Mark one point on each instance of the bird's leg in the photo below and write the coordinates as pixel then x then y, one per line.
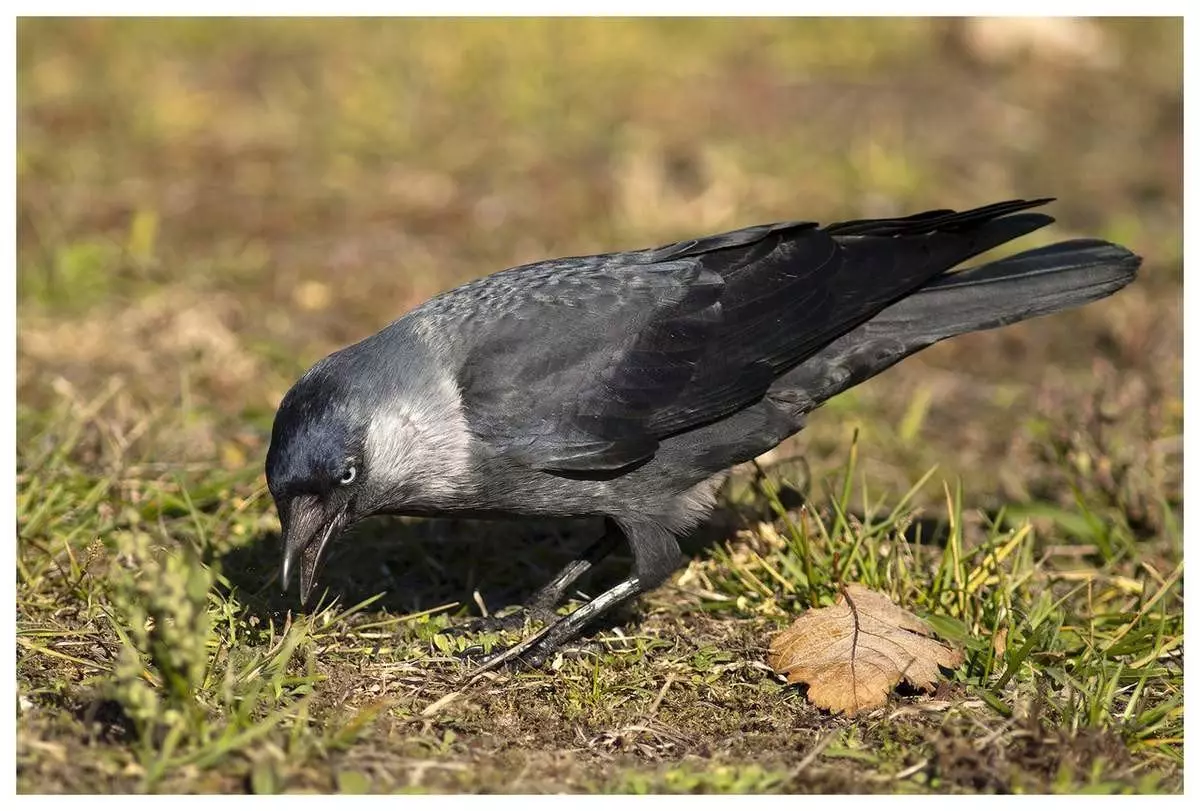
pixel 656 555
pixel 541 606
pixel 536 649
pixel 547 598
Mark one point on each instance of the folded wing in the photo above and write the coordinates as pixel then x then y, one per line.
pixel 591 361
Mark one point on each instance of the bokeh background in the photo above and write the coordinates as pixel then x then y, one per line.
pixel 207 207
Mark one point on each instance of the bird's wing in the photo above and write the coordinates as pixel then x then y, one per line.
pixel 566 376
pixel 591 362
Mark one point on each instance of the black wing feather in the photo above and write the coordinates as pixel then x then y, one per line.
pixel 639 346
pixel 565 380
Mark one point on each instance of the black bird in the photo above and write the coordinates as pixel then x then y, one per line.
pixel 625 385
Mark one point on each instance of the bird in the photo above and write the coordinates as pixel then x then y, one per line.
pixel 626 385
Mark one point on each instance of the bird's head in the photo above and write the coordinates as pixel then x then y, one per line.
pixel 376 427
pixel 316 471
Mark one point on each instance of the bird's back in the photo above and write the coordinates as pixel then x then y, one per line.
pixel 585 364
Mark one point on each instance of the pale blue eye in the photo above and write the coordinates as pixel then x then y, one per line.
pixel 349 476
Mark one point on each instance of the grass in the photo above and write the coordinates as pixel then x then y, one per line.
pixel 206 207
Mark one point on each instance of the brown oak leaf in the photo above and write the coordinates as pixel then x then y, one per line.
pixel 852 653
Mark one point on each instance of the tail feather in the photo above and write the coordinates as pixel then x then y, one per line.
pixel 1026 285
pixel 1034 283
pixel 942 219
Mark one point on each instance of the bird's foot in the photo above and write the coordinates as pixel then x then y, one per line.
pixel 515 621
pixel 518 656
pixel 532 653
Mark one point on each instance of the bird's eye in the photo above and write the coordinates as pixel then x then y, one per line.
pixel 349 476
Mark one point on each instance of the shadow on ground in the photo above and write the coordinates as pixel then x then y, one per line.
pixel 418 565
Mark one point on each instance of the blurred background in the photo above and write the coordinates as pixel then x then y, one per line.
pixel 207 207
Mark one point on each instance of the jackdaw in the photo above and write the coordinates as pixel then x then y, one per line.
pixel 625 385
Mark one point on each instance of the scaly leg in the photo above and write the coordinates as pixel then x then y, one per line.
pixel 541 606
pixel 656 555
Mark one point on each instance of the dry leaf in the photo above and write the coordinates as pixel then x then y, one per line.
pixel 852 653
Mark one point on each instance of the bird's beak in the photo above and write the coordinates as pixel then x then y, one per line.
pixel 308 529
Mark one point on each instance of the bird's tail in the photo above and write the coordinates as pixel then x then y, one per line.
pixel 1026 285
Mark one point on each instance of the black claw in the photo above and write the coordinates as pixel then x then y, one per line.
pixel 487 624
pixel 534 658
pixel 515 621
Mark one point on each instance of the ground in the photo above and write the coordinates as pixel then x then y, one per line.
pixel 207 207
